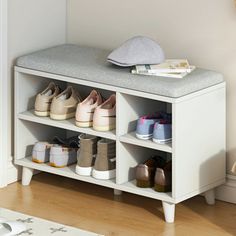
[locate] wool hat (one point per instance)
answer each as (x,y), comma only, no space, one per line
(138,50)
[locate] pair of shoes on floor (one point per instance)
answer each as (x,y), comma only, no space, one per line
(96,157)
(157,126)
(59,153)
(93,112)
(58,105)
(155,172)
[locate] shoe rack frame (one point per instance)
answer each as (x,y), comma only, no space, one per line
(197,149)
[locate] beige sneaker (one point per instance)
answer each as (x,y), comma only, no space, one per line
(85,109)
(64,105)
(104,118)
(44,99)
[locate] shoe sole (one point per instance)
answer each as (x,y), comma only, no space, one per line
(60,160)
(85,171)
(42,113)
(144,183)
(84,124)
(162,188)
(37,161)
(62,117)
(164,141)
(104,128)
(108,174)
(54,165)
(144,137)
(40,156)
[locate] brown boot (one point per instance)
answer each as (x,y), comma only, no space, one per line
(105,164)
(86,154)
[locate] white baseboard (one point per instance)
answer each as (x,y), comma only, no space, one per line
(13,172)
(227,192)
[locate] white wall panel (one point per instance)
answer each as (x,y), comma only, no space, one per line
(202,31)
(32,25)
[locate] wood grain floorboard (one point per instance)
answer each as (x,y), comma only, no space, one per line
(96,209)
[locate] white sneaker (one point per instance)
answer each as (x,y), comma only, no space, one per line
(62,156)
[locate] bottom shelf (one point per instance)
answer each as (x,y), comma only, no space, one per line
(146,192)
(70,173)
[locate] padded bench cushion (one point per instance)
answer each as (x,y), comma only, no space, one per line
(90,64)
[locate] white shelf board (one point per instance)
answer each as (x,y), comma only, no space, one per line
(65,124)
(68,171)
(146,192)
(131,139)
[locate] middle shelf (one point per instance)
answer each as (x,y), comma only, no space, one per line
(129,138)
(65,124)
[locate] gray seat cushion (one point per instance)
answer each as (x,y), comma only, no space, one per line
(90,64)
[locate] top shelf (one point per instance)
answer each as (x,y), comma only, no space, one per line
(65,124)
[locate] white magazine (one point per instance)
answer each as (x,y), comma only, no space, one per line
(168,66)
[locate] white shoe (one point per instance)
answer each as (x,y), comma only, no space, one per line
(62,156)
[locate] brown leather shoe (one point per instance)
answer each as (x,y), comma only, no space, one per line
(163,178)
(145,172)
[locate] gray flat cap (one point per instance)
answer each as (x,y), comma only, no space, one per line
(138,50)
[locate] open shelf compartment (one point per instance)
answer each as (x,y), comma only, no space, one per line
(25,99)
(34,132)
(129,156)
(130,109)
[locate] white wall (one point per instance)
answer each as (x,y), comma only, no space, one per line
(3,86)
(201,30)
(32,25)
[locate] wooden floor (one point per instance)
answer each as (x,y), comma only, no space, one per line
(96,209)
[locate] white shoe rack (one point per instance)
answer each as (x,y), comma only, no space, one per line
(197,149)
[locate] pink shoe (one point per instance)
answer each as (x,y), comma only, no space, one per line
(85,109)
(104,118)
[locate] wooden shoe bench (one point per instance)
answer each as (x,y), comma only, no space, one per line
(198,126)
